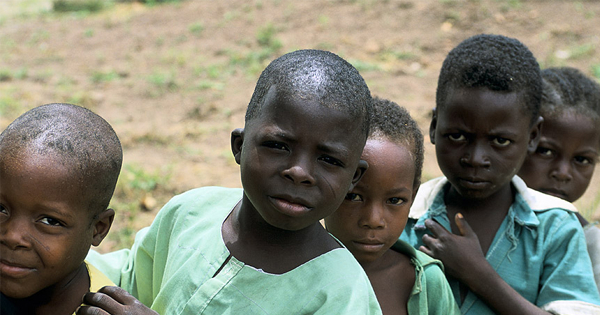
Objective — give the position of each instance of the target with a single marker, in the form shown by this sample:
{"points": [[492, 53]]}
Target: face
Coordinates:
{"points": [[298, 160], [45, 227], [564, 161], [481, 139], [374, 214]]}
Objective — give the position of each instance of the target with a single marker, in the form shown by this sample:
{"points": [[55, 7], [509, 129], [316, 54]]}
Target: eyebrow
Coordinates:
{"points": [[53, 210]]}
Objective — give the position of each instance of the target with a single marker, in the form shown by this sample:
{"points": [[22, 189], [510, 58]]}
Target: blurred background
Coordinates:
{"points": [[174, 77]]}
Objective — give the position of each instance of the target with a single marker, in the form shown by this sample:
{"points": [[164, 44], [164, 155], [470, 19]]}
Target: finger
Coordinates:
{"points": [[103, 301], [435, 228], [463, 226], [426, 250], [118, 294], [90, 310]]}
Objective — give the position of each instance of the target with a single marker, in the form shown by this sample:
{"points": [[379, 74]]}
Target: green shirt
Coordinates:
{"points": [[431, 293], [172, 267]]}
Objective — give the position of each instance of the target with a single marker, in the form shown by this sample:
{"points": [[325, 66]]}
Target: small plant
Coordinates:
{"points": [[196, 28], [99, 76], [77, 5], [596, 71]]}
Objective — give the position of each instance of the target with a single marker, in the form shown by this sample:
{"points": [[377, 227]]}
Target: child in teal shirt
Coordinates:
{"points": [[507, 249], [565, 159]]}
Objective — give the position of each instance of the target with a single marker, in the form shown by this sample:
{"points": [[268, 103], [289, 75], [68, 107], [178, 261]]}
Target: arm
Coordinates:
{"points": [[463, 259]]}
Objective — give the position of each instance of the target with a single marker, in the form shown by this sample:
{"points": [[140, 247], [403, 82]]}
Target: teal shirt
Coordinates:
{"points": [[173, 267], [431, 294], [539, 249]]}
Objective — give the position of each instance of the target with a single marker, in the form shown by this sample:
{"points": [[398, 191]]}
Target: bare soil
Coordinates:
{"points": [[174, 79]]}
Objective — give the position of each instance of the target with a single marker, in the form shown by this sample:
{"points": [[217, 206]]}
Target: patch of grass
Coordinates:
{"points": [[78, 5], [582, 51], [101, 77], [364, 66], [196, 28], [266, 37], [596, 71], [163, 81]]}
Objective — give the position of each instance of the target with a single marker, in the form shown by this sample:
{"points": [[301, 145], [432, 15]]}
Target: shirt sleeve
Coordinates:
{"points": [[139, 270], [567, 273], [440, 300]]}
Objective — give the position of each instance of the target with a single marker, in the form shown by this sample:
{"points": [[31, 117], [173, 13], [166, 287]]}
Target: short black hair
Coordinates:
{"points": [[393, 122], [568, 88], [83, 141], [496, 62], [317, 75]]}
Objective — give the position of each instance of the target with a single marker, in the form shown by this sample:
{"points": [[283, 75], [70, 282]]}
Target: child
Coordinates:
{"points": [[511, 250], [373, 215], [59, 165], [262, 250], [564, 161]]}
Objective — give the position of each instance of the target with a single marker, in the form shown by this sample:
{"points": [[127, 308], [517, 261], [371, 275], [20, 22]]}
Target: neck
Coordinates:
{"points": [[61, 298], [382, 263]]}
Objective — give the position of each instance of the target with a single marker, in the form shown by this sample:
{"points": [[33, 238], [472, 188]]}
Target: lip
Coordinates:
{"points": [[555, 192], [474, 183], [14, 270], [290, 205], [369, 245]]}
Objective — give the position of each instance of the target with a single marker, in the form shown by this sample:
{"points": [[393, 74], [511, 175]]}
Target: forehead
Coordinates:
{"points": [[388, 157], [308, 118], [572, 129], [481, 108]]}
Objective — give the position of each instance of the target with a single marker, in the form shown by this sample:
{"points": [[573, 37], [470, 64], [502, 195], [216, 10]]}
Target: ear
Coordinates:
{"points": [[102, 225], [535, 134], [237, 140], [433, 125], [360, 171]]}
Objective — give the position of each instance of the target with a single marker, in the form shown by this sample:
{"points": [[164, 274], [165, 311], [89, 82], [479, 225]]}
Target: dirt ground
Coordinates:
{"points": [[174, 79]]}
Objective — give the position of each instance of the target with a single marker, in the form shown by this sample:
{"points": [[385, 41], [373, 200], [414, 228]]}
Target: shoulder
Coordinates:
{"points": [[97, 278], [199, 199], [426, 195], [538, 201]]}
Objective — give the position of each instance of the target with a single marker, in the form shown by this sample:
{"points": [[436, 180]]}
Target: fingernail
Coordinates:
{"points": [[459, 215]]}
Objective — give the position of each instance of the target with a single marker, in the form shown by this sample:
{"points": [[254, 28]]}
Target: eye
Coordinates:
{"points": [[50, 221], [4, 213], [275, 145], [584, 160], [545, 152], [501, 142], [396, 201], [457, 137], [331, 160], [353, 197]]}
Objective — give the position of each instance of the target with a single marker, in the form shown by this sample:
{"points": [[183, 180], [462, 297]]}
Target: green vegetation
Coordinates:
{"points": [[78, 5]]}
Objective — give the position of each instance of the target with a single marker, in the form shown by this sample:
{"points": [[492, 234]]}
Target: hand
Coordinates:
{"points": [[459, 253], [112, 301]]}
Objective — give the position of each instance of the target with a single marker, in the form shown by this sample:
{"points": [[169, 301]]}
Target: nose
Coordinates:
{"points": [[561, 171], [476, 156], [14, 234], [300, 171], [372, 217]]}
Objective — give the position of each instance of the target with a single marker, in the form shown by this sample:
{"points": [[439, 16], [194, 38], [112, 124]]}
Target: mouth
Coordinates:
{"points": [[555, 192], [474, 183], [14, 270], [369, 245], [290, 206]]}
